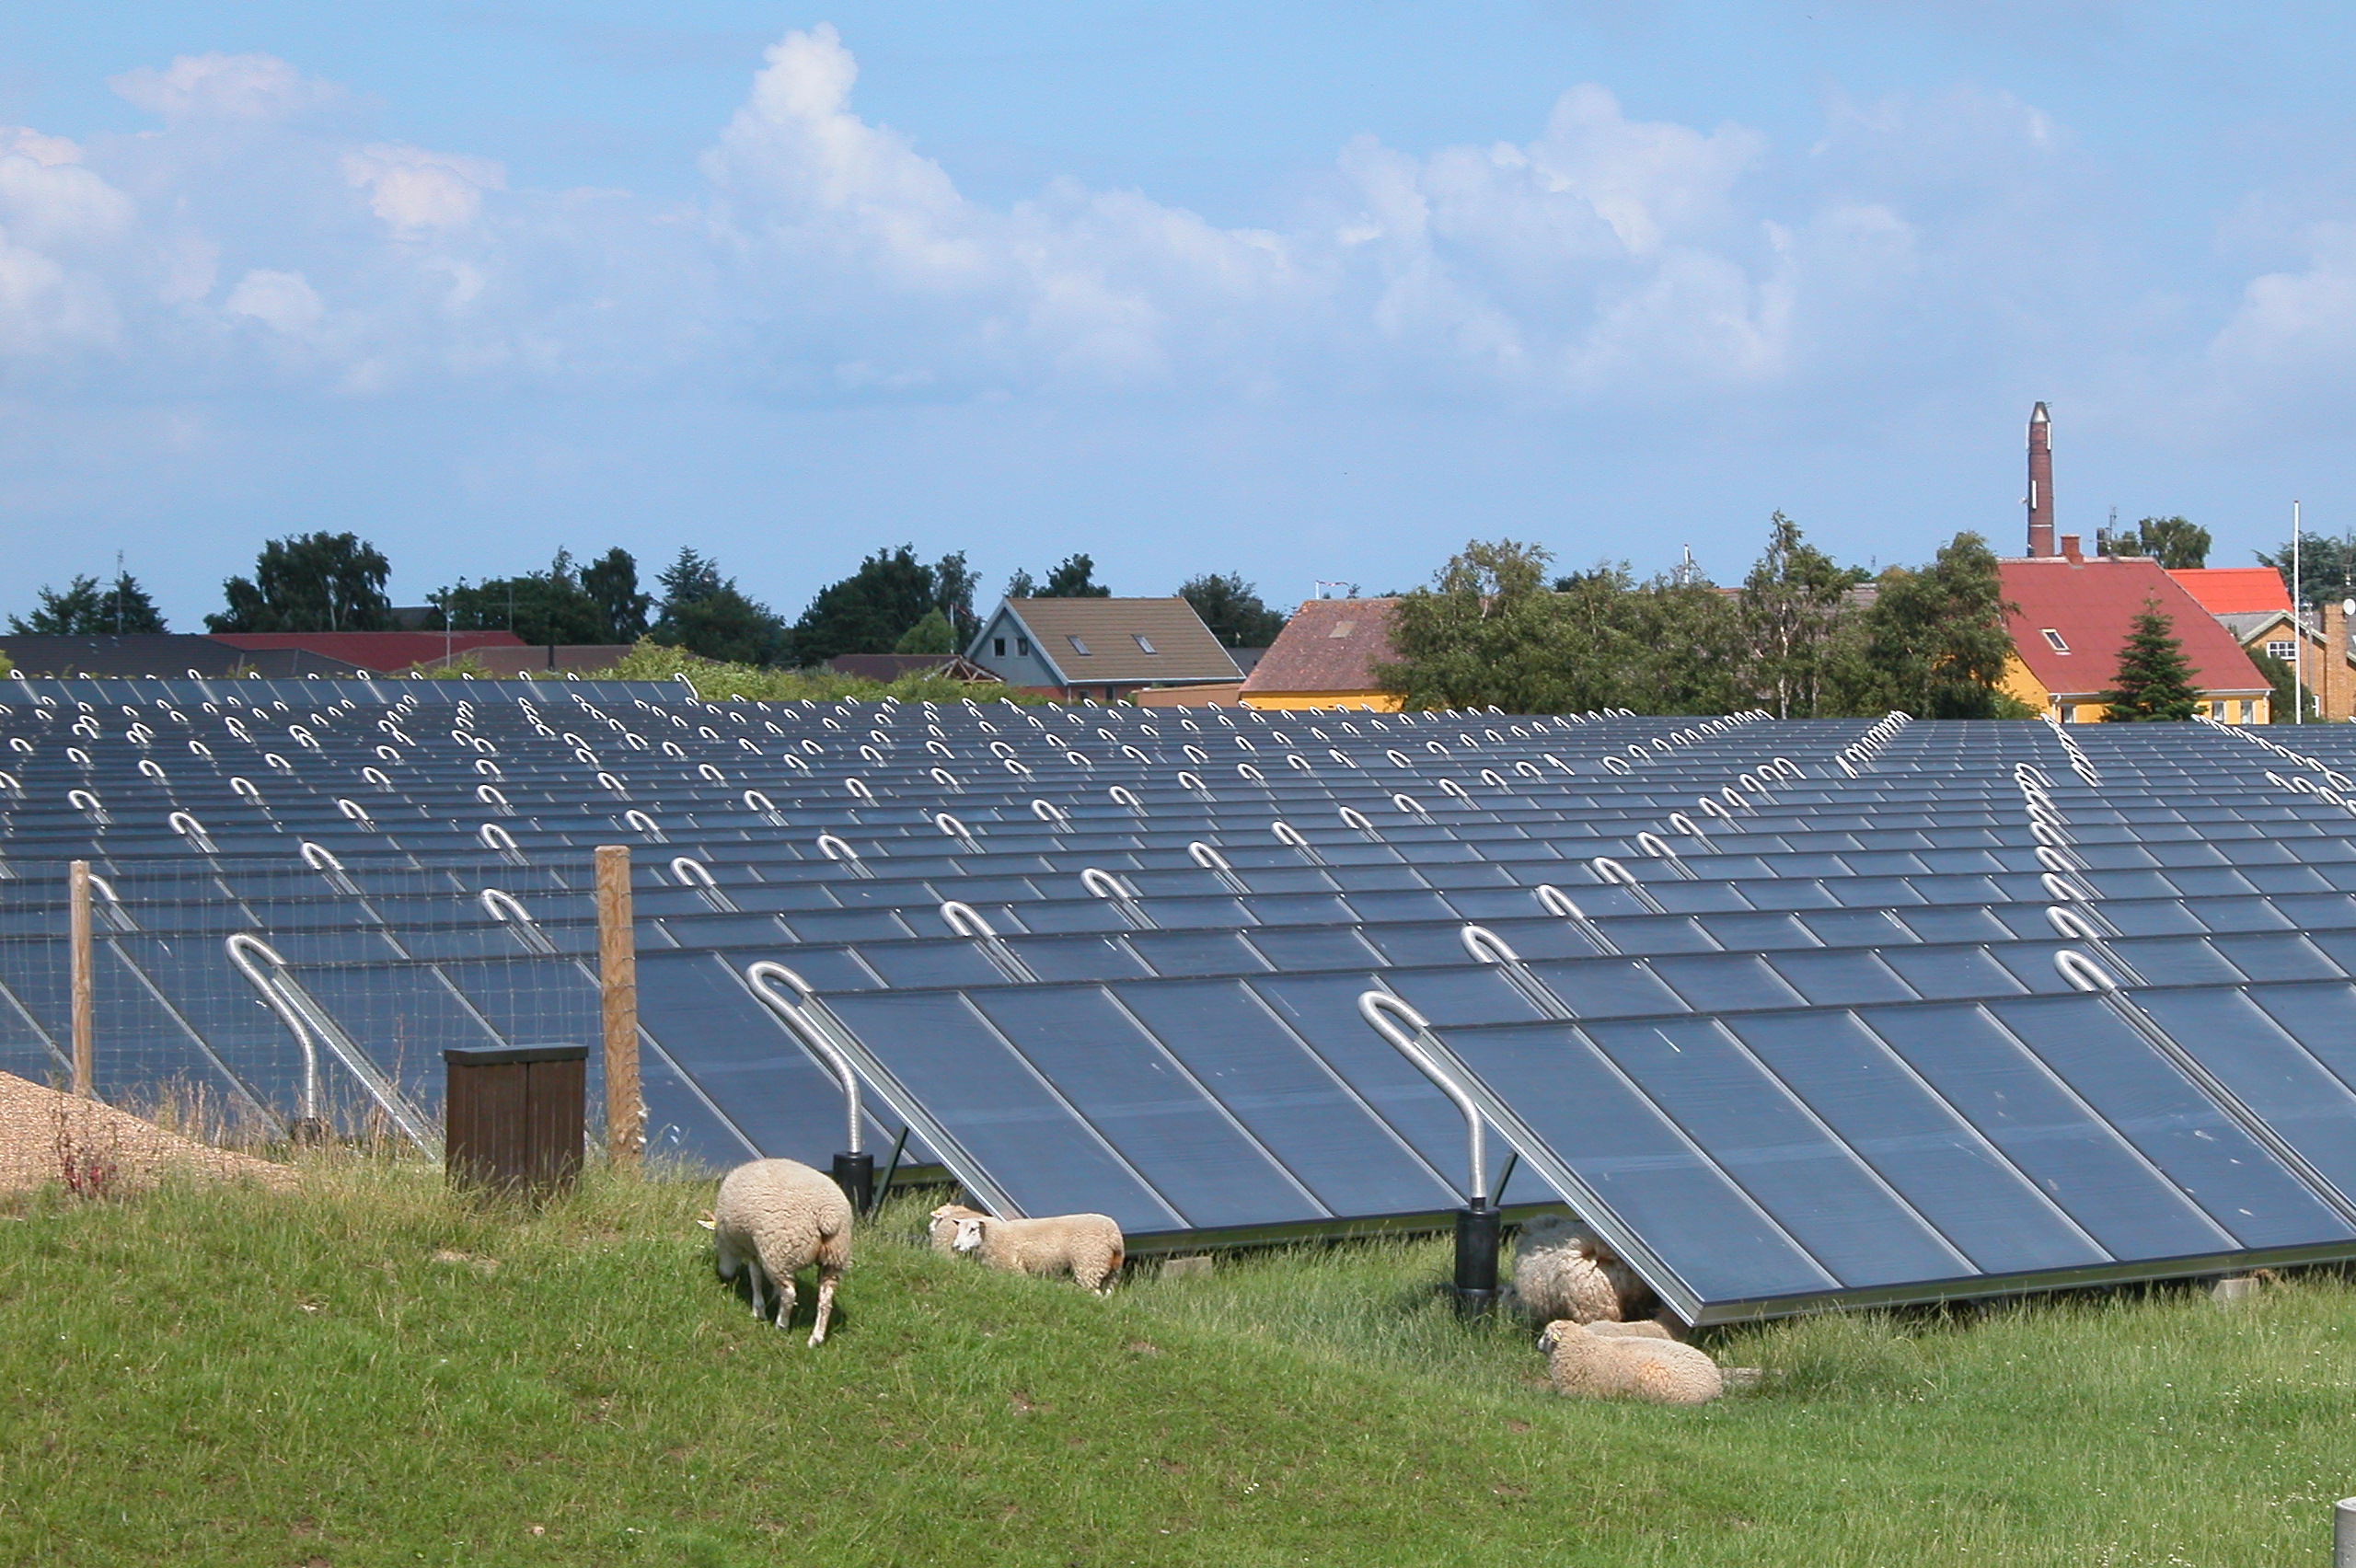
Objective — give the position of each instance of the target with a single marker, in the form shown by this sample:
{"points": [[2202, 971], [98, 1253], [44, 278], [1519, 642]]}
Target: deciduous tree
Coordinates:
{"points": [[611, 583], [1933, 643], [310, 582], [2175, 543], [1233, 609], [932, 635], [1790, 601]]}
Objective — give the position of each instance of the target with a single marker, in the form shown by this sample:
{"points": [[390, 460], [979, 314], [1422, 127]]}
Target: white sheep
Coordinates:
{"points": [[1610, 1361], [1561, 1269], [942, 1224], [776, 1217], [1087, 1246]]}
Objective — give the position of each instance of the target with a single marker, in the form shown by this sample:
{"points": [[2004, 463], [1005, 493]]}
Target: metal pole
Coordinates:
{"points": [[617, 989], [77, 885], [2298, 628], [2343, 1533]]}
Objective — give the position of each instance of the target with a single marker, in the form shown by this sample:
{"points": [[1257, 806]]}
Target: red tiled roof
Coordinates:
{"points": [[385, 652], [2089, 603], [1329, 645], [2234, 590]]}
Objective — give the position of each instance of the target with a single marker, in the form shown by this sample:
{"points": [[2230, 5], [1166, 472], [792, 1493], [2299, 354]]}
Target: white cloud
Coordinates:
{"points": [[225, 86], [827, 258], [47, 197], [2298, 319], [415, 190], [284, 302]]}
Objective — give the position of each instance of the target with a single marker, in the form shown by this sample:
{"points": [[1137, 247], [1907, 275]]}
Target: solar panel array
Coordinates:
{"points": [[1797, 1014]]}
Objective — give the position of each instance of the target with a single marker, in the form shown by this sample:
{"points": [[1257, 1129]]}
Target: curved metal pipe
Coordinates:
{"points": [[1385, 1013], [2082, 972], [1486, 947], [239, 946], [760, 976]]}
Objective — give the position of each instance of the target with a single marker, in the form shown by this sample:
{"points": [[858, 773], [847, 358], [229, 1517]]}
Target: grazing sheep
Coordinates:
{"points": [[1616, 1361], [777, 1218], [1086, 1246], [1561, 1269], [941, 1224]]}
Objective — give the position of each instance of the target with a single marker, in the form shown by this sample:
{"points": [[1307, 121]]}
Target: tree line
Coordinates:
{"points": [[893, 603]]}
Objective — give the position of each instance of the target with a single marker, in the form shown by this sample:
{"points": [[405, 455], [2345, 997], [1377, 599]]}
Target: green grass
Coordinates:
{"points": [[229, 1375]]}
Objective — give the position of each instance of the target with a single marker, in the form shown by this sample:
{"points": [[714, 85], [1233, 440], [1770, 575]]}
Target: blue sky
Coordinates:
{"points": [[1300, 291]]}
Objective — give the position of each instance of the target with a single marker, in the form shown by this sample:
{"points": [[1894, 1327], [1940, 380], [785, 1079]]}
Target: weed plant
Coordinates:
{"points": [[370, 1370]]}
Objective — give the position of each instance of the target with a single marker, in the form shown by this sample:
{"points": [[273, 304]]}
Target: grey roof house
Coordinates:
{"points": [[1100, 648]]}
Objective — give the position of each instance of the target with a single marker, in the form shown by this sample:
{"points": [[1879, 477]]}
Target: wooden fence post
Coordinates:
{"points": [[617, 986], [77, 886]]}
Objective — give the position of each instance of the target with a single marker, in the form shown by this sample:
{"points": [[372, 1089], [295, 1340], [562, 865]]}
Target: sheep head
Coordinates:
{"points": [[969, 1235]]}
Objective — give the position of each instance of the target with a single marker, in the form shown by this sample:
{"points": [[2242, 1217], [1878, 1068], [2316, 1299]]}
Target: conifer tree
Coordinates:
{"points": [[2155, 680]]}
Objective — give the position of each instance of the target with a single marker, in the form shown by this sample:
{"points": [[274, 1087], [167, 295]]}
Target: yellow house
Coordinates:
{"points": [[1325, 657], [2070, 615]]}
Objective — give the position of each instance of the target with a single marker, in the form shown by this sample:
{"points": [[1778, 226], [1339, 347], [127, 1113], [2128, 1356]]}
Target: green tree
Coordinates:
{"points": [[2327, 567], [2289, 693], [2154, 679], [868, 611], [1233, 609], [1932, 642], [707, 615], [611, 581], [1486, 631], [1684, 646], [88, 608], [1022, 585], [2175, 543], [547, 608], [954, 586], [1790, 601], [1074, 578], [932, 635], [309, 582]]}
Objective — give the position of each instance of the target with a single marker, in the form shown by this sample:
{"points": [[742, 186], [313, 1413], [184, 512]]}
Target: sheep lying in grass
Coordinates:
{"points": [[941, 1224], [1086, 1246], [1561, 1269], [1615, 1361], [776, 1217]]}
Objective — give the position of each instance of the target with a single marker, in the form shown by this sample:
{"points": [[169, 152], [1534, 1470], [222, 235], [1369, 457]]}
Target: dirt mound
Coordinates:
{"points": [[48, 1136]]}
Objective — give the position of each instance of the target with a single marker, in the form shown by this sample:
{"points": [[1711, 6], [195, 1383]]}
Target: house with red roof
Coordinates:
{"points": [[1326, 657], [2070, 615]]}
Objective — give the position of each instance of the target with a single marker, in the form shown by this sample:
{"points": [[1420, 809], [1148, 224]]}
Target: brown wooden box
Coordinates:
{"points": [[513, 1118]]}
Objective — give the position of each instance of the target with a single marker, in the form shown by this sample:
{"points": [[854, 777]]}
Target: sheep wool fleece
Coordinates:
{"points": [[777, 1218], [1089, 1247], [1562, 1270], [1617, 1366]]}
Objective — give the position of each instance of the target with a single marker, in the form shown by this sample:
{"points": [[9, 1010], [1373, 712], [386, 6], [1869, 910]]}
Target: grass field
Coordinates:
{"points": [[235, 1376]]}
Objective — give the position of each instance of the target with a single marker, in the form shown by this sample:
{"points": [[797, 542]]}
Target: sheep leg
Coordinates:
{"points": [[785, 1299], [825, 1306], [753, 1272]]}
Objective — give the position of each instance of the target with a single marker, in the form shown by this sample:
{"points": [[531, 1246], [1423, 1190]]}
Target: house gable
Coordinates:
{"points": [[1006, 648]]}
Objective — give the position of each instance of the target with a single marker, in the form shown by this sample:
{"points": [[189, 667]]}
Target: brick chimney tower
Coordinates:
{"points": [[2040, 483]]}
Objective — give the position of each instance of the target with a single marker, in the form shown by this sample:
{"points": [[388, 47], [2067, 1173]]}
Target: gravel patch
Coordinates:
{"points": [[48, 1136]]}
